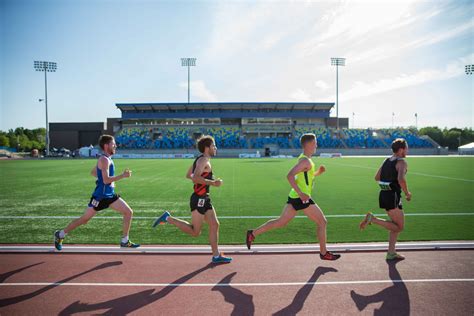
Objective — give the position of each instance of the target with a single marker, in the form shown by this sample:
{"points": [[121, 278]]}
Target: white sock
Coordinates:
{"points": [[125, 239], [62, 234]]}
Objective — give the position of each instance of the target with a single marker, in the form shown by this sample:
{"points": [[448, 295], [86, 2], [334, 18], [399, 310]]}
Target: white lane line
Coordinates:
{"points": [[360, 282], [230, 217], [305, 248], [409, 172]]}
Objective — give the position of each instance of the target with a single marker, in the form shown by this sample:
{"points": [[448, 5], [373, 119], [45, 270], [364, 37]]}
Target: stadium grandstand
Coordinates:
{"points": [[271, 127]]}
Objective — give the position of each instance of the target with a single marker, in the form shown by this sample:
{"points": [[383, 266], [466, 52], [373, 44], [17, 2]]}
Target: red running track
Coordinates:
{"points": [[426, 283]]}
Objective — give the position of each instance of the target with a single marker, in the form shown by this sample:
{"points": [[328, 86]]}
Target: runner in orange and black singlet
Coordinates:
{"points": [[201, 174], [200, 199]]}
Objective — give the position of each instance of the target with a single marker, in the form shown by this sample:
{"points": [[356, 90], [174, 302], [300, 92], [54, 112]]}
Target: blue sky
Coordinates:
{"points": [[403, 57]]}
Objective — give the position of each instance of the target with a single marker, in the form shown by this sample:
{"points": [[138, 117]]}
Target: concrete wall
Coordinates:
{"points": [[75, 135]]}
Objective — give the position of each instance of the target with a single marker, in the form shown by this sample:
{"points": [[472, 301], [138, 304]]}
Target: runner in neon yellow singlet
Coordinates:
{"points": [[304, 180], [301, 178]]}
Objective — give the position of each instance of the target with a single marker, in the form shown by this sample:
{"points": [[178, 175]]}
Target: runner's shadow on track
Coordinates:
{"points": [[24, 297], [395, 299], [133, 302], [298, 301], [243, 303], [6, 275]]}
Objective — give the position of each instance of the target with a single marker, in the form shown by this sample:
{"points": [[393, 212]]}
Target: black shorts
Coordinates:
{"points": [[298, 204], [104, 203], [390, 200], [200, 203]]}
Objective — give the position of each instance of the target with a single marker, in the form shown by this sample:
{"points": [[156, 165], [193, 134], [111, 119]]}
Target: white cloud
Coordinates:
{"points": [[382, 52], [234, 25], [255, 26], [301, 95], [441, 36], [364, 89], [291, 44], [272, 39], [199, 90], [321, 85], [353, 20]]}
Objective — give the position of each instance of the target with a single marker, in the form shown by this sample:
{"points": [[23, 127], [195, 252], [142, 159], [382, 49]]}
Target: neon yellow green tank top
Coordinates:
{"points": [[304, 180]]}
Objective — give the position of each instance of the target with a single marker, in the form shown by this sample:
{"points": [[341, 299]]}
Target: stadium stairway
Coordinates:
{"points": [[343, 143], [430, 140]]}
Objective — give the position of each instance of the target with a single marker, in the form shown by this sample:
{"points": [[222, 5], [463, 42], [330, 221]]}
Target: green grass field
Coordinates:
{"points": [[251, 188]]}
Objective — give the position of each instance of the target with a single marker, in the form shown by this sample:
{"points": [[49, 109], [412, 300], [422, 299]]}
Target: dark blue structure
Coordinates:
{"points": [[225, 110]]}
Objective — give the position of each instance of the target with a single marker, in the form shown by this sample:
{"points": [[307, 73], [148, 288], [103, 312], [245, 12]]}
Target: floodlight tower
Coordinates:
{"points": [[46, 67], [336, 61], [188, 62], [469, 69]]}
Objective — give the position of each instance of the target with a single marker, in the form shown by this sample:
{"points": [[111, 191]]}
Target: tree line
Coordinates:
{"points": [[24, 139], [452, 138]]}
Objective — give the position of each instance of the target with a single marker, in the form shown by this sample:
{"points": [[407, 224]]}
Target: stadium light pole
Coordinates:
{"points": [[393, 116], [353, 120], [469, 69], [188, 62], [46, 67], [416, 120], [337, 61]]}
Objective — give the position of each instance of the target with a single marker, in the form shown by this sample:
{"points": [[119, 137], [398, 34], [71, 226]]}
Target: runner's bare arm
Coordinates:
{"points": [[103, 165], [320, 171], [189, 173], [197, 178], [301, 166], [94, 172], [401, 167], [377, 175]]}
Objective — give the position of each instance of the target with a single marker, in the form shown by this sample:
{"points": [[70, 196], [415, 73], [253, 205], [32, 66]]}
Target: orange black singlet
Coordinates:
{"points": [[202, 189]]}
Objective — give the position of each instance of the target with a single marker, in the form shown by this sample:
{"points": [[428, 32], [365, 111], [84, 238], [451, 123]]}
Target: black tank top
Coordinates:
{"points": [[389, 173], [202, 189]]}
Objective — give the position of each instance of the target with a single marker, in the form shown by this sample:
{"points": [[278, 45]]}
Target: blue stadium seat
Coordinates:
{"points": [[180, 137]]}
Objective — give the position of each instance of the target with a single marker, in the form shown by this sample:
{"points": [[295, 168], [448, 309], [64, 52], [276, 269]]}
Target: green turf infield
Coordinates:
{"points": [[252, 187]]}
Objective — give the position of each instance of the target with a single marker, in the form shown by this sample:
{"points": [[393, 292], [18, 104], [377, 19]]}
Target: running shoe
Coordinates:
{"points": [[163, 219], [329, 256], [129, 244], [250, 238], [58, 242], [394, 256], [221, 259], [367, 220]]}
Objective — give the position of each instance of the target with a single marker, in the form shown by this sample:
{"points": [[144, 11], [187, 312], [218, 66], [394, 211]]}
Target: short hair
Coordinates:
{"points": [[398, 144], [204, 141], [105, 139], [306, 138]]}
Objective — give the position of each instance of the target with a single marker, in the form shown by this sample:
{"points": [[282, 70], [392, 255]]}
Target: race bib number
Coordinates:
{"points": [[94, 203], [385, 186], [201, 202]]}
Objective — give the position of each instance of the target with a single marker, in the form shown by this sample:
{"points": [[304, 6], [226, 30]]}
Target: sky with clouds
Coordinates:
{"points": [[402, 57]]}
